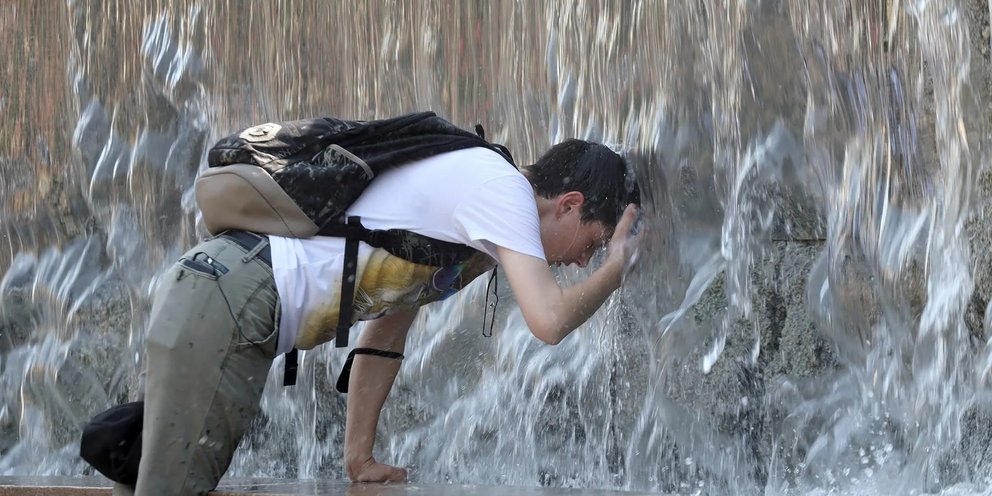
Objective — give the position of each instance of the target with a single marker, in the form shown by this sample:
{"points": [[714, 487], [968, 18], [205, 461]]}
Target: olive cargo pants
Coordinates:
{"points": [[212, 337]]}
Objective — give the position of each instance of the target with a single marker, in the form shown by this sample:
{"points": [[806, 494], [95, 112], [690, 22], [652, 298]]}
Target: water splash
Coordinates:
{"points": [[807, 311]]}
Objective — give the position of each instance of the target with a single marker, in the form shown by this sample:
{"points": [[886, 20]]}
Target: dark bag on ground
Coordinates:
{"points": [[111, 442]]}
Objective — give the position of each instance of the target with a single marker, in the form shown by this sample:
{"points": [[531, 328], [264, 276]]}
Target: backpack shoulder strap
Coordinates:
{"points": [[496, 147], [401, 243]]}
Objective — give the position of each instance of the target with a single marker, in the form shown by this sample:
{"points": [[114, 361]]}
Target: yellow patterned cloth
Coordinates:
{"points": [[387, 284]]}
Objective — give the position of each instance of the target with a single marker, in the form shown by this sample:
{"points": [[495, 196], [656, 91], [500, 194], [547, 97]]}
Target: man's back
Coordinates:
{"points": [[472, 197]]}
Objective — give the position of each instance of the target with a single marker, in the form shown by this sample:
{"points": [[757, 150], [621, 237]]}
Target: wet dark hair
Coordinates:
{"points": [[592, 169]]}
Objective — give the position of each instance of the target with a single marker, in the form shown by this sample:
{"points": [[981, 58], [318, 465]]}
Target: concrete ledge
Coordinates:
{"points": [[47, 486], [98, 486]]}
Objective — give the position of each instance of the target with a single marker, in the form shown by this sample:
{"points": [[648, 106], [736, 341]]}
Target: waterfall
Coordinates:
{"points": [[810, 310]]}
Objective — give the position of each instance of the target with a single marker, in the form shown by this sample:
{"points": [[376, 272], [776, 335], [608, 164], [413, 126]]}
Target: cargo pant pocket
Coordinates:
{"points": [[255, 311], [197, 268]]}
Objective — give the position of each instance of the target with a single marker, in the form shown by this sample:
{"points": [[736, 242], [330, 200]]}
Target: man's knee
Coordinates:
{"points": [[121, 490]]}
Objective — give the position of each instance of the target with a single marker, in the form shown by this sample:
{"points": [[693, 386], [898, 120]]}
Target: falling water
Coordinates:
{"points": [[810, 310]]}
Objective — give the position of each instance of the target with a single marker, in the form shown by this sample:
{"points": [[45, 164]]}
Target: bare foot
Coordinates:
{"points": [[373, 471]]}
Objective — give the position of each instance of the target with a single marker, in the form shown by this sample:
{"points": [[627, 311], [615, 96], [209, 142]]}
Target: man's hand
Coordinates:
{"points": [[623, 242], [372, 471]]}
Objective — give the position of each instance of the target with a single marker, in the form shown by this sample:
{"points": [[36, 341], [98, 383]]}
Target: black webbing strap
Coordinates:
{"points": [[407, 245], [345, 376], [500, 149], [348, 276], [292, 364], [494, 286]]}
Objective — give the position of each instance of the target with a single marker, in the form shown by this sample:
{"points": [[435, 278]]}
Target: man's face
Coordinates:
{"points": [[568, 240]]}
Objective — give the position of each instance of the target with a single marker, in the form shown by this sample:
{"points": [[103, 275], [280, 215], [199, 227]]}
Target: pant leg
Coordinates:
{"points": [[119, 489], [211, 342]]}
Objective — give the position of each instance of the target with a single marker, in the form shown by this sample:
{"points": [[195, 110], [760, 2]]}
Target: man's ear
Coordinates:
{"points": [[569, 201]]}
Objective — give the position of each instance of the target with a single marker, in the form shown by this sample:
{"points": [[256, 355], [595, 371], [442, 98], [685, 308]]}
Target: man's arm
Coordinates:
{"points": [[371, 379], [552, 312]]}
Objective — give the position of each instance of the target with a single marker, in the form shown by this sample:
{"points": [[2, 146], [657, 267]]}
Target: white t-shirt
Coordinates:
{"points": [[471, 196]]}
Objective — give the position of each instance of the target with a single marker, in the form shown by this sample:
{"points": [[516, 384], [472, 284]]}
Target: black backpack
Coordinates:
{"points": [[322, 165]]}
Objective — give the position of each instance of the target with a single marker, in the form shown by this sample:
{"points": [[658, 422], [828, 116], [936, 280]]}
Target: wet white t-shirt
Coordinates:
{"points": [[472, 197]]}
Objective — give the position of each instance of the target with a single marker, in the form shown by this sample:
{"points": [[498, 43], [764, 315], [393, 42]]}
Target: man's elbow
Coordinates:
{"points": [[545, 325], [548, 333]]}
